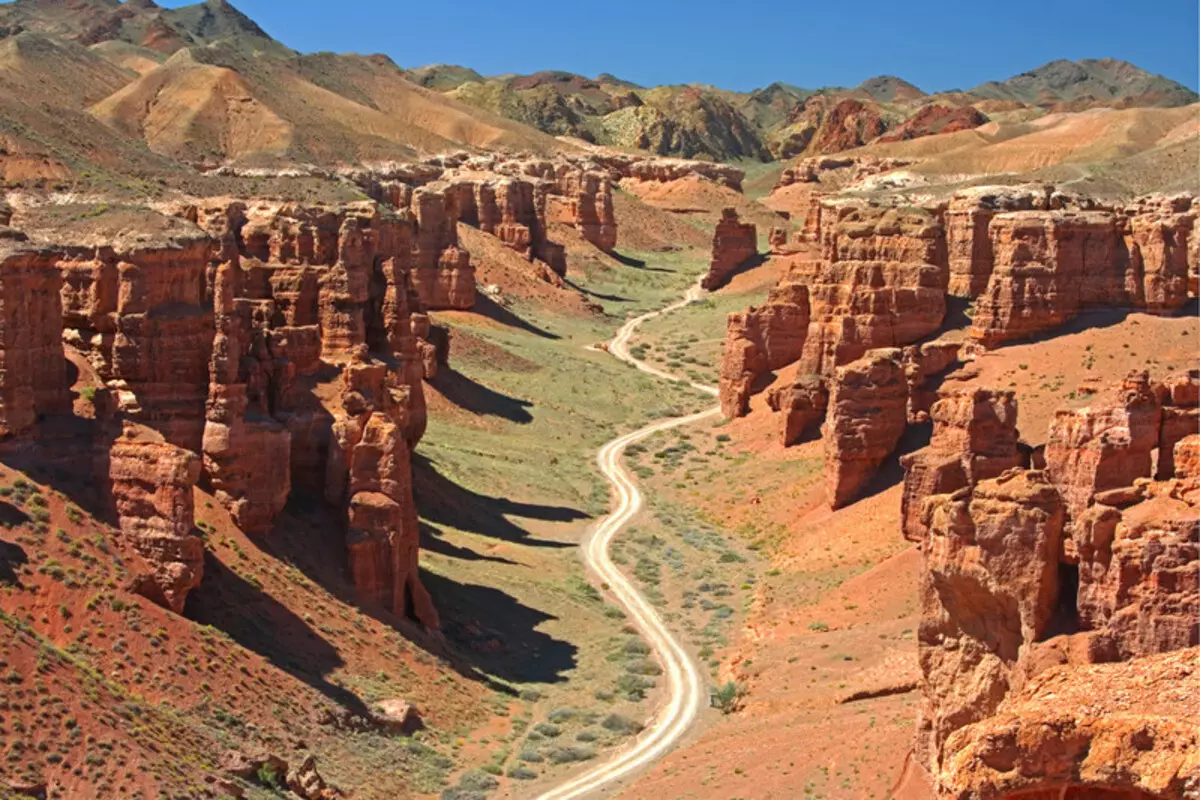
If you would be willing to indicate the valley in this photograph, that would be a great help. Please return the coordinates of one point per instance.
(380, 431)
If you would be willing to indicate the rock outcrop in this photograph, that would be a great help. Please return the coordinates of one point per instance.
(140, 316)
(935, 119)
(802, 404)
(250, 348)
(734, 244)
(33, 374)
(974, 438)
(1106, 445)
(1119, 731)
(760, 340)
(989, 583)
(151, 484)
(1048, 266)
(881, 283)
(1034, 581)
(866, 418)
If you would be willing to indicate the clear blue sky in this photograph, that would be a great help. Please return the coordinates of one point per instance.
(744, 44)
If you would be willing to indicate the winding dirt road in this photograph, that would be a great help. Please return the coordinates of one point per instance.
(685, 683)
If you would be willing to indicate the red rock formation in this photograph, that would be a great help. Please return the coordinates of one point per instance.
(1105, 446)
(369, 472)
(1138, 571)
(1187, 457)
(867, 417)
(734, 243)
(802, 405)
(247, 453)
(1113, 731)
(989, 582)
(1180, 418)
(442, 273)
(760, 340)
(33, 374)
(777, 240)
(1047, 266)
(151, 483)
(974, 438)
(936, 119)
(921, 363)
(837, 170)
(1015, 601)
(879, 284)
(968, 242)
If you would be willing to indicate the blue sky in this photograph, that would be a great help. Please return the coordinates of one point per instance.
(744, 44)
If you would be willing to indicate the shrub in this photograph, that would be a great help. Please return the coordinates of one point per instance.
(620, 724)
(726, 696)
(820, 627)
(268, 776)
(478, 780)
(561, 715)
(521, 773)
(531, 756)
(568, 755)
(547, 729)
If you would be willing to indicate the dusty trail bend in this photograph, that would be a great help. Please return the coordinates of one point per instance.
(685, 683)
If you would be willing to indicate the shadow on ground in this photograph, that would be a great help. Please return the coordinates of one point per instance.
(258, 622)
(470, 395)
(12, 558)
(489, 308)
(498, 634)
(432, 542)
(444, 502)
(637, 263)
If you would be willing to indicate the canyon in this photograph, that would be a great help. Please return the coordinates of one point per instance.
(355, 440)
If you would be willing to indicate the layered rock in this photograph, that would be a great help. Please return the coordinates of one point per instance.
(140, 316)
(936, 119)
(369, 473)
(1180, 418)
(1117, 731)
(879, 284)
(734, 243)
(802, 405)
(151, 484)
(974, 438)
(1047, 266)
(1031, 578)
(866, 418)
(968, 241)
(989, 583)
(246, 452)
(33, 374)
(1106, 445)
(441, 271)
(760, 340)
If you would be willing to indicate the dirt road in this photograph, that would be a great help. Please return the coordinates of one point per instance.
(685, 683)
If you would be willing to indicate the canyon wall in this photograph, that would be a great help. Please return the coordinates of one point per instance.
(1032, 577)
(1031, 258)
(251, 347)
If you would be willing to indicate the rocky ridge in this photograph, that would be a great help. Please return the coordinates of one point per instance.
(863, 276)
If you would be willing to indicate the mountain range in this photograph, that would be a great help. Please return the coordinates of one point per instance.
(151, 90)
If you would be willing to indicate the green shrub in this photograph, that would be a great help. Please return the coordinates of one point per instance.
(726, 696)
(621, 724)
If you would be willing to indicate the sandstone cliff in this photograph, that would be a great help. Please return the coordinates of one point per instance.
(1031, 577)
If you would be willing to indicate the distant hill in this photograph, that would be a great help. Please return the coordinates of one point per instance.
(782, 120)
(1092, 82)
(113, 88)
